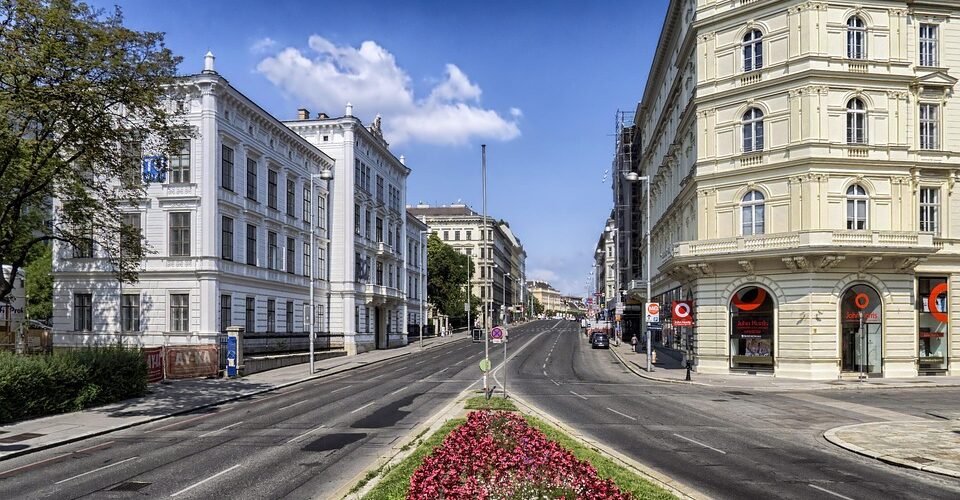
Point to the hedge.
(38, 385)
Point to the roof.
(445, 211)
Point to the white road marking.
(459, 362)
(420, 362)
(374, 378)
(305, 434)
(342, 388)
(829, 492)
(96, 470)
(222, 429)
(555, 382)
(701, 444)
(294, 404)
(545, 373)
(194, 485)
(180, 422)
(96, 446)
(623, 414)
(544, 366)
(441, 371)
(11, 471)
(395, 392)
(364, 406)
(577, 395)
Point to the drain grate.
(721, 400)
(130, 486)
(737, 393)
(16, 438)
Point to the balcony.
(822, 241)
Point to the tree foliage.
(537, 306)
(81, 98)
(39, 284)
(447, 274)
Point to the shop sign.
(746, 327)
(154, 359)
(682, 313)
(653, 312)
(192, 361)
(925, 333)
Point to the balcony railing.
(802, 239)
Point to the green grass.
(608, 469)
(482, 403)
(396, 483)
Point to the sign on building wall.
(682, 313)
(191, 361)
(154, 359)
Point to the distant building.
(550, 298)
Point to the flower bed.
(497, 455)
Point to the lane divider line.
(96, 470)
(225, 428)
(305, 434)
(180, 423)
(51, 459)
(362, 407)
(188, 488)
(577, 395)
(829, 492)
(625, 415)
(342, 388)
(694, 441)
(394, 392)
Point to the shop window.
(933, 322)
(751, 329)
(861, 336)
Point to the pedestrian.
(633, 342)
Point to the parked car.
(477, 335)
(600, 340)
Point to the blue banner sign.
(232, 356)
(154, 169)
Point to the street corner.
(931, 446)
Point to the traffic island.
(931, 446)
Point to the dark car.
(601, 340)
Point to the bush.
(38, 385)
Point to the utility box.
(234, 350)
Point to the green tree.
(81, 98)
(537, 306)
(446, 279)
(39, 284)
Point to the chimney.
(322, 116)
(349, 110)
(208, 63)
(303, 114)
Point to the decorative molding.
(747, 266)
(868, 262)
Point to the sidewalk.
(932, 446)
(669, 368)
(180, 396)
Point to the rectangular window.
(271, 316)
(357, 268)
(251, 244)
(306, 258)
(380, 189)
(291, 255)
(83, 312)
(356, 219)
(322, 211)
(272, 189)
(930, 210)
(356, 318)
(250, 315)
(288, 321)
(179, 163)
(357, 176)
(272, 250)
(456, 235)
(83, 249)
(306, 203)
(251, 179)
(379, 234)
(226, 238)
(928, 45)
(131, 157)
(179, 234)
(446, 235)
(291, 197)
(226, 168)
(933, 322)
(379, 273)
(226, 312)
(131, 232)
(469, 235)
(367, 224)
(179, 312)
(130, 312)
(929, 126)
(323, 263)
(389, 234)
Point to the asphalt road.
(726, 444)
(298, 442)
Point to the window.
(226, 238)
(379, 273)
(272, 189)
(380, 189)
(323, 263)
(379, 229)
(226, 168)
(356, 318)
(306, 258)
(928, 45)
(226, 312)
(83, 312)
(929, 126)
(857, 207)
(856, 122)
(130, 312)
(251, 244)
(856, 38)
(933, 321)
(131, 232)
(446, 235)
(179, 163)
(930, 210)
(389, 234)
(322, 211)
(291, 197)
(251, 179)
(271, 316)
(250, 316)
(752, 213)
(456, 235)
(752, 130)
(288, 321)
(180, 234)
(291, 255)
(367, 224)
(83, 249)
(357, 175)
(753, 50)
(390, 276)
(356, 219)
(131, 158)
(272, 250)
(469, 235)
(358, 268)
(306, 203)
(179, 312)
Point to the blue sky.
(539, 82)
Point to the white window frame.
(856, 121)
(179, 323)
(750, 204)
(856, 38)
(752, 122)
(928, 44)
(858, 199)
(928, 127)
(753, 43)
(929, 199)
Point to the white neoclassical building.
(804, 158)
(229, 231)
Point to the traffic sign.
(653, 312)
(682, 313)
(485, 365)
(498, 334)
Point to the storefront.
(932, 324)
(752, 328)
(861, 337)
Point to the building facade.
(802, 165)
(416, 290)
(229, 230)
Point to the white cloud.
(543, 275)
(263, 45)
(328, 76)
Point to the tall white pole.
(313, 305)
(483, 236)
(649, 279)
(469, 293)
(423, 287)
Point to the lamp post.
(469, 293)
(325, 175)
(634, 177)
(423, 284)
(483, 235)
(503, 308)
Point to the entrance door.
(377, 329)
(861, 331)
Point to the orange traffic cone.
(653, 357)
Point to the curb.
(832, 437)
(672, 485)
(73, 439)
(642, 374)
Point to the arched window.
(857, 207)
(856, 122)
(752, 213)
(752, 50)
(856, 38)
(752, 130)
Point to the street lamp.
(423, 284)
(634, 177)
(325, 175)
(503, 307)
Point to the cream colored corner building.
(804, 158)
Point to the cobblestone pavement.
(925, 445)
